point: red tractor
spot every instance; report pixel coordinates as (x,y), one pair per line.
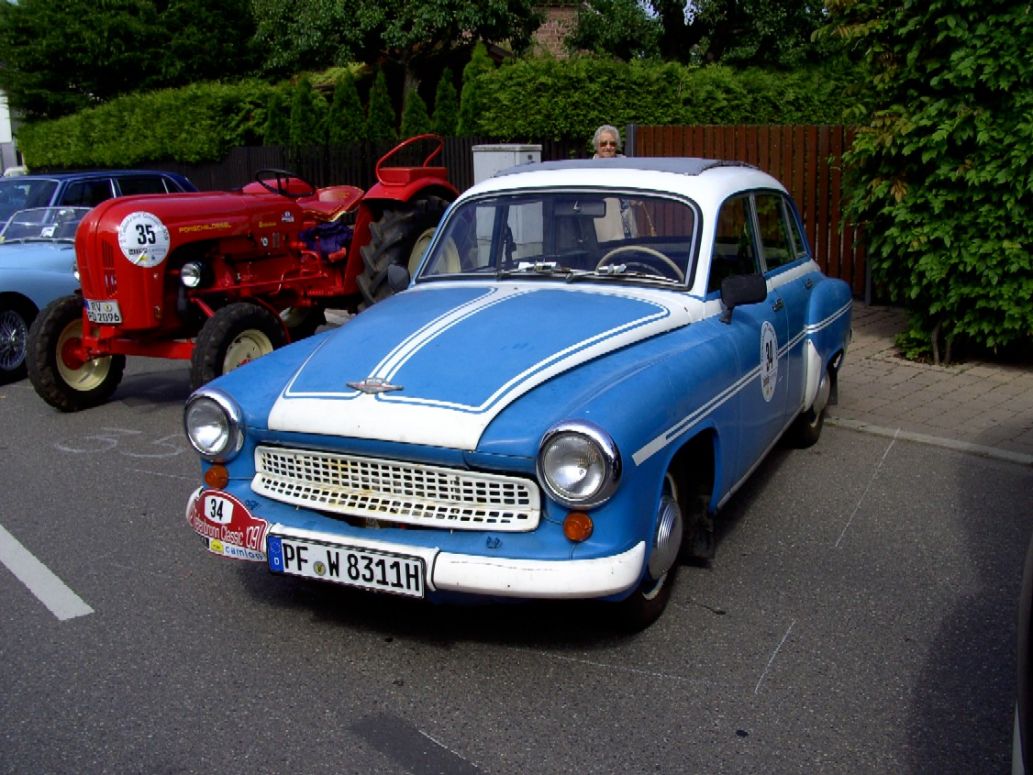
(221,278)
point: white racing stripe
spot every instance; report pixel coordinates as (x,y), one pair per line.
(48,588)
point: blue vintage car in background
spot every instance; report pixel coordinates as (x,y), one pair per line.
(83,188)
(37,265)
(591,358)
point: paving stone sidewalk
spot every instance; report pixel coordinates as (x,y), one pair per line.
(978,407)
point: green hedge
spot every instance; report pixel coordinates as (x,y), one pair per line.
(526,99)
(565,99)
(194,124)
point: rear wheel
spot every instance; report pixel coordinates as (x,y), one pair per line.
(398,237)
(236,334)
(806,429)
(58,374)
(15,319)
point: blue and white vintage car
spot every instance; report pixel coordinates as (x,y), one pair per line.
(591,358)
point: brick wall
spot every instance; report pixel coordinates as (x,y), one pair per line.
(559,20)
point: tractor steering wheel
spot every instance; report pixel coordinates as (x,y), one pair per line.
(282,180)
(667,261)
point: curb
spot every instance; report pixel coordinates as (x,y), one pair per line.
(935,441)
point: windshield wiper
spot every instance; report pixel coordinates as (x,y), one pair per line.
(618,272)
(536,267)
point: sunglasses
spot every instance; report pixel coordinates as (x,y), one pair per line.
(607,144)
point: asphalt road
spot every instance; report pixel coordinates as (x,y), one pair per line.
(859,617)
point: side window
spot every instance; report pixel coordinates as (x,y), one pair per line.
(142,184)
(776,239)
(87,193)
(734,251)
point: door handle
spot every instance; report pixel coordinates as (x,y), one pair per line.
(808,283)
(778,305)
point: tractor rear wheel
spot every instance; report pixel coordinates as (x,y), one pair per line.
(236,334)
(399,237)
(61,379)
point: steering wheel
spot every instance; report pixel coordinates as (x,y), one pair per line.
(282,179)
(679,275)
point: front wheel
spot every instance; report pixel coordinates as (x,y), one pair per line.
(649,599)
(236,334)
(56,371)
(15,320)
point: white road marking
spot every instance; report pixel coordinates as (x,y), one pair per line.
(774,654)
(875,473)
(47,587)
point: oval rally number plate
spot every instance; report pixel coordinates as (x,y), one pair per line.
(398,574)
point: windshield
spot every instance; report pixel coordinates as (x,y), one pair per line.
(618,236)
(19,193)
(43,224)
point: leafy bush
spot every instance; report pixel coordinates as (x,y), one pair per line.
(940,174)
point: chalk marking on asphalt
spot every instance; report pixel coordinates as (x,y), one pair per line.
(774,654)
(39,579)
(868,486)
(935,441)
(444,747)
(161,473)
(607,666)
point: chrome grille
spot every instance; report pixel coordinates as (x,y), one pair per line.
(394,491)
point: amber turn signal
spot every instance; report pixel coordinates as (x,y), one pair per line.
(217,476)
(577,526)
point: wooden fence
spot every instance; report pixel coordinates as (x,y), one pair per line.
(807,159)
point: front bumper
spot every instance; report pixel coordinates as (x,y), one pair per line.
(503,576)
(241,535)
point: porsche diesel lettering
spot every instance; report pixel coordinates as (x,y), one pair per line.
(588,361)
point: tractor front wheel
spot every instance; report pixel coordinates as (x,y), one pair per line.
(60,376)
(236,334)
(399,237)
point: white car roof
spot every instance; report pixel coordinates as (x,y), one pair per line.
(707,181)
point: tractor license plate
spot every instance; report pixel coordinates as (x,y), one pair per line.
(105,313)
(398,574)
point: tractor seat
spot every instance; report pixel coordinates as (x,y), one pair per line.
(332,202)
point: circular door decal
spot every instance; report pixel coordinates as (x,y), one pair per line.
(144,239)
(768,360)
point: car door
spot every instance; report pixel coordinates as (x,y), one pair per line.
(784,257)
(758,333)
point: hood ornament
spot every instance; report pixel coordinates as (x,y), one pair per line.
(374,386)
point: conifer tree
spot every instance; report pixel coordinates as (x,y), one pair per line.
(308,116)
(346,122)
(446,106)
(380,115)
(276,130)
(471,97)
(415,118)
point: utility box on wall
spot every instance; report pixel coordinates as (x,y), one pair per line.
(489,159)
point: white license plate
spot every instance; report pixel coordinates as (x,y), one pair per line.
(103,312)
(398,574)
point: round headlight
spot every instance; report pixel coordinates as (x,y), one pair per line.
(214,425)
(579,464)
(191,274)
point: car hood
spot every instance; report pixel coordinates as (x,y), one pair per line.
(36,255)
(436,364)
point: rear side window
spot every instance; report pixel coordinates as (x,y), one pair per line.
(87,193)
(779,231)
(144,184)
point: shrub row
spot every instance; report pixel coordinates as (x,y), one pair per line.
(525,100)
